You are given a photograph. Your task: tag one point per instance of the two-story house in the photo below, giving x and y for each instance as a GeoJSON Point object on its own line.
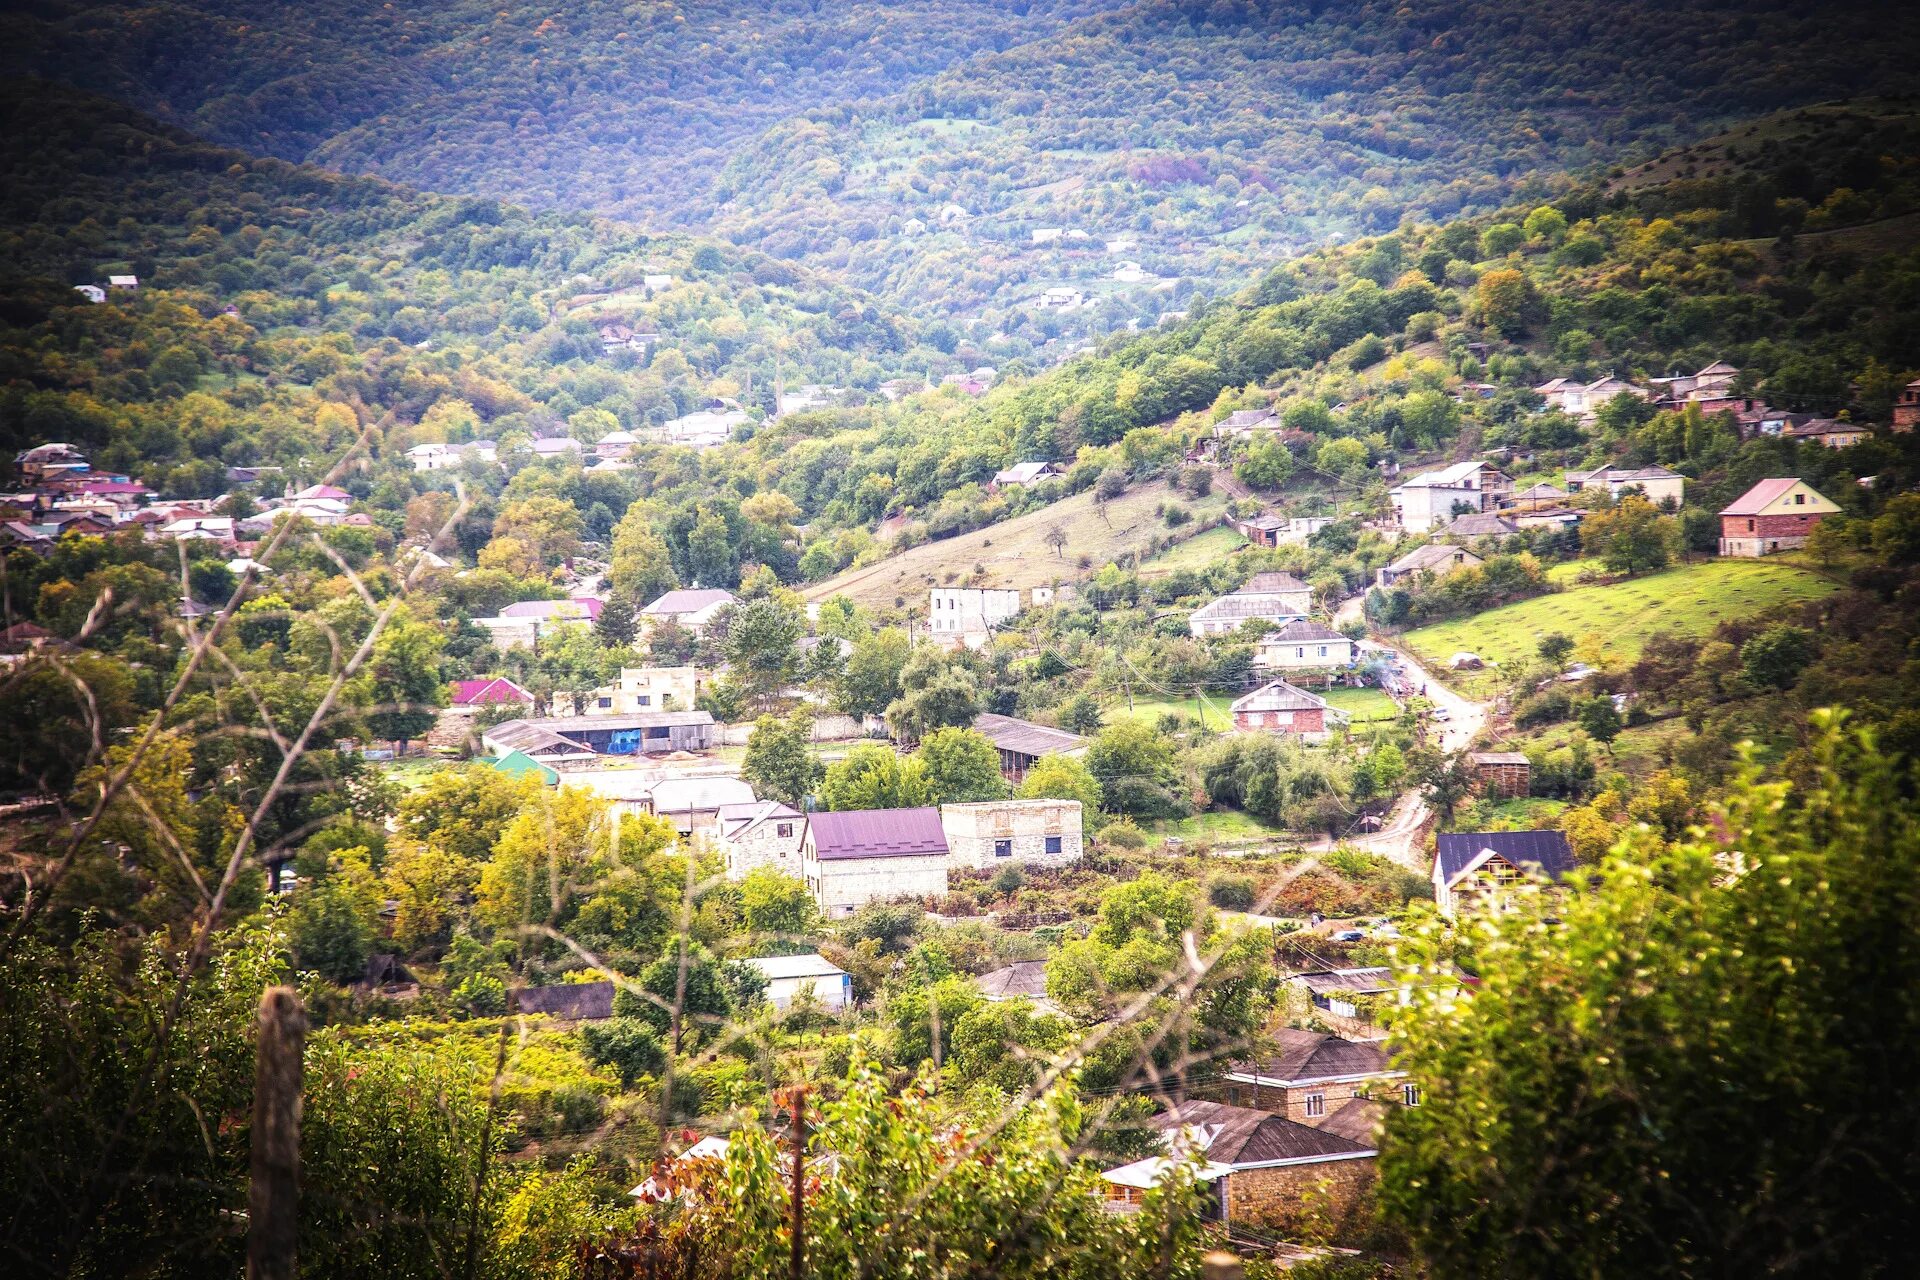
{"type": "Point", "coordinates": [765, 833]}
{"type": "Point", "coordinates": [1311, 1076]}
{"type": "Point", "coordinates": [871, 855]}
{"type": "Point", "coordinates": [1434, 498]}
{"type": "Point", "coordinates": [1774, 515]}
{"type": "Point", "coordinates": [998, 833]}
{"type": "Point", "coordinates": [1470, 864]}
{"type": "Point", "coordinates": [642, 689]}
{"type": "Point", "coordinates": [1303, 646]}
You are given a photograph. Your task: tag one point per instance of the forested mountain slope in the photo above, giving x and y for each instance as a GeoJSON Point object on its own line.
{"type": "Point", "coordinates": [1211, 136]}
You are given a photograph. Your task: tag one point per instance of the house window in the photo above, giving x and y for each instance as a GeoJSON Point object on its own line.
{"type": "Point", "coordinates": [1053, 844]}
{"type": "Point", "coordinates": [1799, 499]}
{"type": "Point", "coordinates": [1323, 651]}
{"type": "Point", "coordinates": [1749, 526]}
{"type": "Point", "coordinates": [1003, 848]}
{"type": "Point", "coordinates": [1300, 653]}
{"type": "Point", "coordinates": [1410, 1094]}
{"type": "Point", "coordinates": [643, 700]}
{"type": "Point", "coordinates": [605, 703]}
{"type": "Point", "coordinates": [784, 830]}
{"type": "Point", "coordinates": [1316, 1104]}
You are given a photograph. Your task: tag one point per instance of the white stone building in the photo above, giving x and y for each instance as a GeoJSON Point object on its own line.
{"type": "Point", "coordinates": [1278, 598]}
{"type": "Point", "coordinates": [648, 689]}
{"type": "Point", "coordinates": [1302, 646]}
{"type": "Point", "coordinates": [1430, 500]}
{"type": "Point", "coordinates": [999, 833]}
{"type": "Point", "coordinates": [969, 614]}
{"type": "Point", "coordinates": [765, 833]}
{"type": "Point", "coordinates": [873, 855]}
{"type": "Point", "coordinates": [693, 608]}
{"type": "Point", "coordinates": [790, 976]}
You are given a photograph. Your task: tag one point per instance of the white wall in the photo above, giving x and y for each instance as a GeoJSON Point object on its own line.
{"type": "Point", "coordinates": [842, 885]}
{"type": "Point", "coordinates": [974, 832]}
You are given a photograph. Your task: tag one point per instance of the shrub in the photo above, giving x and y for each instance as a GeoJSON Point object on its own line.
{"type": "Point", "coordinates": [578, 1107]}
{"type": "Point", "coordinates": [1231, 892]}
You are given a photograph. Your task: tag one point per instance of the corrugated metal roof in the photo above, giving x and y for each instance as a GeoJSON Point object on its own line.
{"type": "Point", "coordinates": [1025, 737]}
{"type": "Point", "coordinates": [1546, 850]}
{"type": "Point", "coordinates": [877, 833]}
{"type": "Point", "coordinates": [811, 965]}
{"type": "Point", "coordinates": [1755, 500]}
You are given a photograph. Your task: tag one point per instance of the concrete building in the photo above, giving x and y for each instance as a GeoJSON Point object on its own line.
{"type": "Point", "coordinates": [872, 855]}
{"type": "Point", "coordinates": [1656, 484]}
{"type": "Point", "coordinates": [522, 624]}
{"type": "Point", "coordinates": [1436, 497]}
{"type": "Point", "coordinates": [969, 614]}
{"type": "Point", "coordinates": [1278, 707]}
{"type": "Point", "coordinates": [1583, 399]}
{"type": "Point", "coordinates": [1303, 646]}
{"type": "Point", "coordinates": [1277, 598]}
{"type": "Point", "coordinates": [999, 833]}
{"type": "Point", "coordinates": [644, 689]}
{"type": "Point", "coordinates": [1774, 515]}
{"type": "Point", "coordinates": [765, 833]}
{"type": "Point", "coordinates": [791, 977]}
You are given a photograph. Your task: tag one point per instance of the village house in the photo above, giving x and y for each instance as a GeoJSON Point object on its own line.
{"type": "Point", "coordinates": [1313, 1075]}
{"type": "Point", "coordinates": [1536, 496]}
{"type": "Point", "coordinates": [1022, 743]}
{"type": "Point", "coordinates": [1347, 999]}
{"type": "Point", "coordinates": [1302, 646]}
{"type": "Point", "coordinates": [1906, 407]}
{"type": "Point", "coordinates": [1468, 865]}
{"type": "Point", "coordinates": [765, 833]}
{"type": "Point", "coordinates": [869, 855]}
{"type": "Point", "coordinates": [1243, 422]}
{"type": "Point", "coordinates": [1276, 598]}
{"type": "Point", "coordinates": [91, 292]}
{"type": "Point", "coordinates": [809, 976]}
{"type": "Point", "coordinates": [1485, 524]}
{"type": "Point", "coordinates": [1711, 388]}
{"type": "Point", "coordinates": [693, 804]}
{"type": "Point", "coordinates": [433, 457]}
{"type": "Point", "coordinates": [641, 689]}
{"type": "Point", "coordinates": [1278, 707]}
{"type": "Point", "coordinates": [692, 609]}
{"type": "Point", "coordinates": [1829, 433]}
{"type": "Point", "coordinates": [581, 739]}
{"type": "Point", "coordinates": [1774, 515]}
{"type": "Point", "coordinates": [470, 696]}
{"type": "Point", "coordinates": [51, 459]}
{"type": "Point", "coordinates": [1502, 775]}
{"type": "Point", "coordinates": [1656, 484]}
{"type": "Point", "coordinates": [1277, 531]}
{"type": "Point", "coordinates": [1436, 497]}
{"type": "Point", "coordinates": [1022, 474]}
{"type": "Point", "coordinates": [1582, 400]}
{"type": "Point", "coordinates": [1261, 1169]}
{"type": "Point", "coordinates": [998, 833]}
{"type": "Point", "coordinates": [1437, 559]}
{"type": "Point", "coordinates": [521, 624]}
{"type": "Point", "coordinates": [1021, 980]}
{"type": "Point", "coordinates": [968, 615]}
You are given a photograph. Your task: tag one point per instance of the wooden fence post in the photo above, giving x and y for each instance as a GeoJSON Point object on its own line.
{"type": "Point", "coordinates": [273, 1192]}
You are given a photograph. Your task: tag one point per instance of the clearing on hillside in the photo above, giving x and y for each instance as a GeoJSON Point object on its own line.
{"type": "Point", "coordinates": [1014, 553]}
{"type": "Point", "coordinates": [1691, 600]}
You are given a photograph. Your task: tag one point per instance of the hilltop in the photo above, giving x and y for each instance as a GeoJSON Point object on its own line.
{"type": "Point", "coordinates": [917, 147]}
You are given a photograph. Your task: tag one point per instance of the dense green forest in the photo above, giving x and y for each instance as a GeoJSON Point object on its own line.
{"type": "Point", "coordinates": [1209, 136]}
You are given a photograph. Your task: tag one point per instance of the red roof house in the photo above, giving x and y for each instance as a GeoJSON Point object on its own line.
{"type": "Point", "coordinates": [1774, 515]}
{"type": "Point", "coordinates": [496, 692]}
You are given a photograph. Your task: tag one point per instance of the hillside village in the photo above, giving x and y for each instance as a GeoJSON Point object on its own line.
{"type": "Point", "coordinates": [660, 746]}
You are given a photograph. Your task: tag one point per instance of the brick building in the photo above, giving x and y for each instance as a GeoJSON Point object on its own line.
{"type": "Point", "coordinates": [1502, 774]}
{"type": "Point", "coordinates": [1312, 1076]}
{"type": "Point", "coordinates": [1774, 515]}
{"type": "Point", "coordinates": [1278, 707]}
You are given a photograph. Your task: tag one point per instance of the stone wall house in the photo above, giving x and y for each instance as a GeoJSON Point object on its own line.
{"type": "Point", "coordinates": [873, 855]}
{"type": "Point", "coordinates": [1312, 1076]}
{"type": "Point", "coordinates": [1435, 497]}
{"type": "Point", "coordinates": [765, 833]}
{"type": "Point", "coordinates": [1774, 515]}
{"type": "Point", "coordinates": [1265, 1170]}
{"type": "Point", "coordinates": [999, 833]}
{"type": "Point", "coordinates": [690, 608]}
{"type": "Point", "coordinates": [1436, 558]}
{"type": "Point", "coordinates": [1502, 774]}
{"type": "Point", "coordinates": [1656, 484]}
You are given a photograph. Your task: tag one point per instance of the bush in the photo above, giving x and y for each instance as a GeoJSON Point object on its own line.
{"type": "Point", "coordinates": [578, 1108]}
{"type": "Point", "coordinates": [1121, 833]}
{"type": "Point", "coordinates": [1009, 880]}
{"type": "Point", "coordinates": [1232, 892]}
{"type": "Point", "coordinates": [1177, 516]}
{"type": "Point", "coordinates": [628, 1045]}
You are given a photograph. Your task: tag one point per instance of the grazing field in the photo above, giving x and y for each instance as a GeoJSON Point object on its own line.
{"type": "Point", "coordinates": [1197, 552]}
{"type": "Point", "coordinates": [1210, 711]}
{"type": "Point", "coordinates": [1362, 705]}
{"type": "Point", "coordinates": [1014, 553]}
{"type": "Point", "coordinates": [1692, 601]}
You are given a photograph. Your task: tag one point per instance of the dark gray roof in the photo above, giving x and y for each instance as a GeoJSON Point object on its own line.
{"type": "Point", "coordinates": [1021, 979]}
{"type": "Point", "coordinates": [1303, 631]}
{"type": "Point", "coordinates": [1483, 524]}
{"type": "Point", "coordinates": [1546, 850]}
{"type": "Point", "coordinates": [1361, 981]}
{"type": "Point", "coordinates": [1271, 583]}
{"type": "Point", "coordinates": [1026, 737]}
{"type": "Point", "coordinates": [577, 1000]}
{"type": "Point", "coordinates": [1245, 1136]}
{"type": "Point", "coordinates": [1302, 1056]}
